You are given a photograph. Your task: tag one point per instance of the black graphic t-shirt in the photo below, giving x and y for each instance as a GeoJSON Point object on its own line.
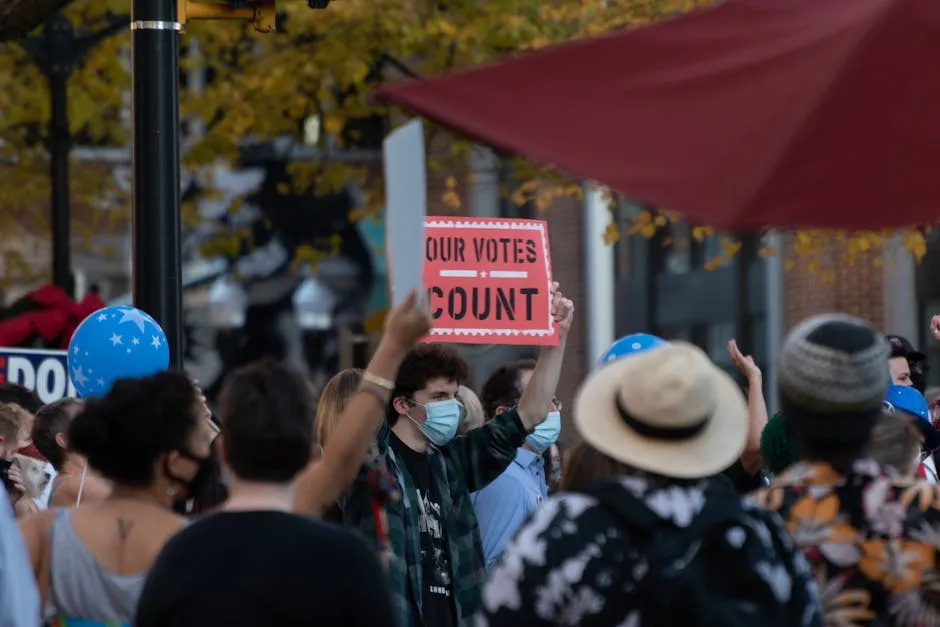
{"type": "Point", "coordinates": [438, 599]}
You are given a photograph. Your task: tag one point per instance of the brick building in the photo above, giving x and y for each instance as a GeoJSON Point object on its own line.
{"type": "Point", "coordinates": [665, 290]}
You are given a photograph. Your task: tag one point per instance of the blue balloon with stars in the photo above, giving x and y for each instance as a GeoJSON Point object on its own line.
{"type": "Point", "coordinates": [113, 343]}
{"type": "Point", "coordinates": [630, 345]}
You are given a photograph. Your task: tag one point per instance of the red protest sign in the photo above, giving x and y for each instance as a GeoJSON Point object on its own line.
{"type": "Point", "coordinates": [488, 281]}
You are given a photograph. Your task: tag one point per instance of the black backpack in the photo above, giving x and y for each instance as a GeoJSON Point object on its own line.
{"type": "Point", "coordinates": [694, 577]}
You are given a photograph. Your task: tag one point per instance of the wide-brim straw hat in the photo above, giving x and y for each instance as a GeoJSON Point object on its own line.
{"type": "Point", "coordinates": [668, 411]}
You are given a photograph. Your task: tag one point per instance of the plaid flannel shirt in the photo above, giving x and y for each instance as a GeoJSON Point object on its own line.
{"type": "Point", "coordinates": [465, 465]}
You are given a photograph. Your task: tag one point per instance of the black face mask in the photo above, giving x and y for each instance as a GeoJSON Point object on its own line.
{"type": "Point", "coordinates": [200, 479]}
{"type": "Point", "coordinates": [206, 490]}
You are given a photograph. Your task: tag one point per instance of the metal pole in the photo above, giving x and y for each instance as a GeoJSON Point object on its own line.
{"type": "Point", "coordinates": [600, 276]}
{"type": "Point", "coordinates": [56, 53]}
{"type": "Point", "coordinates": [59, 39]}
{"type": "Point", "coordinates": [155, 155]}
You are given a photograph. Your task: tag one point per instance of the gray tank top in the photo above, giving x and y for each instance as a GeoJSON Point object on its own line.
{"type": "Point", "coordinates": [83, 589]}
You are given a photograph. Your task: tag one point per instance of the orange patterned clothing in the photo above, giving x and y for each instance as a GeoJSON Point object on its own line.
{"type": "Point", "coordinates": [872, 539]}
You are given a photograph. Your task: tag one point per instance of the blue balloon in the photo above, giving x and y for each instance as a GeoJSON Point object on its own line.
{"type": "Point", "coordinates": [630, 345]}
{"type": "Point", "coordinates": [910, 401]}
{"type": "Point", "coordinates": [113, 343]}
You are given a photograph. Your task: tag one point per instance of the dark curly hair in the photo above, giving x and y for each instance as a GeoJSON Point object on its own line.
{"type": "Point", "coordinates": [424, 363]}
{"type": "Point", "coordinates": [123, 434]}
{"type": "Point", "coordinates": [51, 420]}
{"type": "Point", "coordinates": [20, 395]}
{"type": "Point", "coordinates": [503, 387]}
{"type": "Point", "coordinates": [267, 411]}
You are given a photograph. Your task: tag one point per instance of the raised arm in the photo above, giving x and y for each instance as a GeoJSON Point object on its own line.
{"type": "Point", "coordinates": [324, 481]}
{"type": "Point", "coordinates": [484, 453]}
{"type": "Point", "coordinates": [539, 393]}
{"type": "Point", "coordinates": [756, 406]}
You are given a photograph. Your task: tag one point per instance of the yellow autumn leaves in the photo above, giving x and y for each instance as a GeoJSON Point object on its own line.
{"type": "Point", "coordinates": [820, 251]}
{"type": "Point", "coordinates": [319, 65]}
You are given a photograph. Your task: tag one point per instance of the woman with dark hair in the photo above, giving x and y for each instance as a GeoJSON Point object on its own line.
{"type": "Point", "coordinates": [212, 490]}
{"type": "Point", "coordinates": [73, 482]}
{"type": "Point", "coordinates": [150, 439]}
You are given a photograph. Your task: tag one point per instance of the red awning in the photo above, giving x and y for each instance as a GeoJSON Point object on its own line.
{"type": "Point", "coordinates": [753, 114]}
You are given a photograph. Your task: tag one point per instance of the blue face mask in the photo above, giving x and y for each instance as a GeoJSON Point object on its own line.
{"type": "Point", "coordinates": [545, 434]}
{"type": "Point", "coordinates": [441, 422]}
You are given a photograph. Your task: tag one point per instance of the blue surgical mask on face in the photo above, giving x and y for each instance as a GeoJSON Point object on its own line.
{"type": "Point", "coordinates": [441, 421]}
{"type": "Point", "coordinates": [545, 434]}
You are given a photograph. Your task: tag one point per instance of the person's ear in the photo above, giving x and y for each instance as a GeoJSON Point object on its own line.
{"type": "Point", "coordinates": [61, 441]}
{"type": "Point", "coordinates": [500, 409]}
{"type": "Point", "coordinates": [177, 465]}
{"type": "Point", "coordinates": [401, 405]}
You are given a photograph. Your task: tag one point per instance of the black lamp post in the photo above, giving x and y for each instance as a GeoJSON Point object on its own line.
{"type": "Point", "coordinates": [155, 154]}
{"type": "Point", "coordinates": [57, 51]}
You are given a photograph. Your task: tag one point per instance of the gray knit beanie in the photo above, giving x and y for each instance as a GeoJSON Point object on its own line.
{"type": "Point", "coordinates": [833, 376]}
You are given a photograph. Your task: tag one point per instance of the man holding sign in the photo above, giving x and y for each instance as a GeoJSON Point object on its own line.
{"type": "Point", "coordinates": [437, 571]}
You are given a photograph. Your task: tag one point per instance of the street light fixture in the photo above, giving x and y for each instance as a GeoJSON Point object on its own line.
{"type": "Point", "coordinates": [313, 305]}
{"type": "Point", "coordinates": [226, 304]}
{"type": "Point", "coordinates": [57, 52]}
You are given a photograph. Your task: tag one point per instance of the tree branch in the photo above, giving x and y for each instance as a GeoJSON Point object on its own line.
{"type": "Point", "coordinates": [19, 17]}
{"type": "Point", "coordinates": [386, 58]}
{"type": "Point", "coordinates": [115, 24]}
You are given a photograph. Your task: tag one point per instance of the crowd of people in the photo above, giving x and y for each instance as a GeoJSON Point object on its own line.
{"type": "Point", "coordinates": [400, 497]}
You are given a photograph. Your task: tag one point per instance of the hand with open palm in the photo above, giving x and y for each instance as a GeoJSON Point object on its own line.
{"type": "Point", "coordinates": [744, 364]}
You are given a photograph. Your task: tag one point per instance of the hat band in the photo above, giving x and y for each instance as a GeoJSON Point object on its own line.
{"type": "Point", "coordinates": [661, 433]}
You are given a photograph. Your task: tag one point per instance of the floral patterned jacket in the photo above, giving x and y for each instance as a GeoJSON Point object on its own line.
{"type": "Point", "coordinates": [872, 539]}
{"type": "Point", "coordinates": [574, 563]}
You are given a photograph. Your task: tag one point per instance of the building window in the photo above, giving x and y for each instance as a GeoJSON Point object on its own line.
{"type": "Point", "coordinates": [716, 343]}
{"type": "Point", "coordinates": [508, 208]}
{"type": "Point", "coordinates": [673, 334]}
{"type": "Point", "coordinates": [710, 249]}
{"type": "Point", "coordinates": [676, 239]}
{"type": "Point", "coordinates": [629, 251]}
